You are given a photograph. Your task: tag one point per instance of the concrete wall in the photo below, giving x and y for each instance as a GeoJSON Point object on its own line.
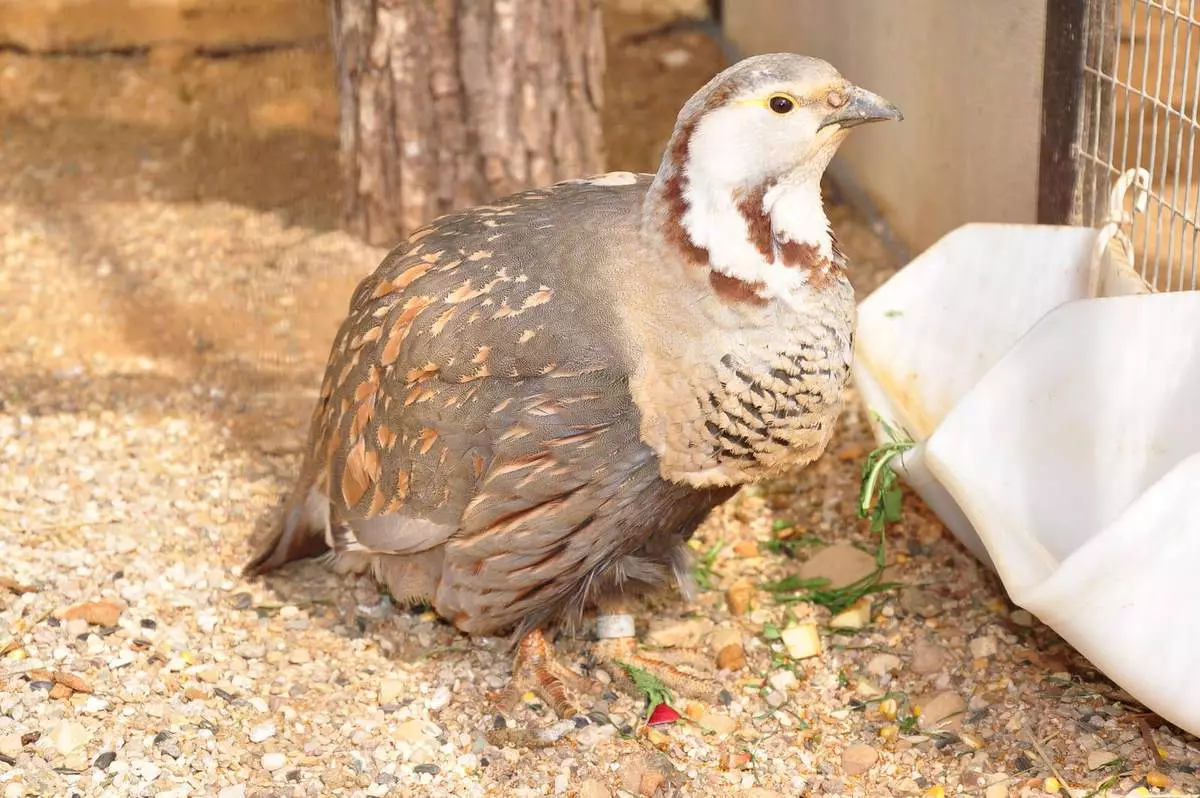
{"type": "Point", "coordinates": [966, 73]}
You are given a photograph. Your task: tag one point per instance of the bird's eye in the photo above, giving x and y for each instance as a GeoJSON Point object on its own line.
{"type": "Point", "coordinates": [835, 99]}
{"type": "Point", "coordinates": [781, 103]}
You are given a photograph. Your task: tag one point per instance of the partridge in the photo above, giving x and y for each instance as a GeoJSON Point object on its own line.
{"type": "Point", "coordinates": [532, 404]}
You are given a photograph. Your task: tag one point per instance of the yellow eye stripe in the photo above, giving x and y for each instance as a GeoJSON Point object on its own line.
{"type": "Point", "coordinates": [764, 101]}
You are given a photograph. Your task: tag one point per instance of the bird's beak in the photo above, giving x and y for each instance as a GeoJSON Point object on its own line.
{"type": "Point", "coordinates": [861, 107]}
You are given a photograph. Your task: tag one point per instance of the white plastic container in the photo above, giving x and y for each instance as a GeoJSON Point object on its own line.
{"type": "Point", "coordinates": [1055, 402]}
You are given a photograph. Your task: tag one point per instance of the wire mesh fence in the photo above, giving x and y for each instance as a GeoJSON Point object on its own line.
{"type": "Point", "coordinates": [1140, 96]}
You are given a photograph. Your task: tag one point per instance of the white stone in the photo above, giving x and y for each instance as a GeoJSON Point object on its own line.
{"type": "Point", "coordinates": [68, 735]}
{"type": "Point", "coordinates": [261, 732]}
{"type": "Point", "coordinates": [233, 791]}
{"type": "Point", "coordinates": [10, 744]}
{"type": "Point", "coordinates": [391, 691]}
{"type": "Point", "coordinates": [782, 680]}
{"type": "Point", "coordinates": [440, 699]}
{"type": "Point", "coordinates": [273, 761]}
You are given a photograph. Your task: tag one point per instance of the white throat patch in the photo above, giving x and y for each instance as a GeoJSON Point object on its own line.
{"type": "Point", "coordinates": [714, 222]}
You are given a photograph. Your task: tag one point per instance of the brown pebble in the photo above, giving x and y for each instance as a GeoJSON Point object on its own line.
{"type": "Point", "coordinates": [920, 602]}
{"type": "Point", "coordinates": [746, 548]}
{"type": "Point", "coordinates": [39, 675]}
{"type": "Point", "coordinates": [97, 613]}
{"type": "Point", "coordinates": [76, 683]}
{"type": "Point", "coordinates": [738, 597]}
{"type": "Point", "coordinates": [14, 586]}
{"type": "Point", "coordinates": [652, 780]}
{"type": "Point", "coordinates": [928, 658]}
{"type": "Point", "coordinates": [842, 564]}
{"type": "Point", "coordinates": [61, 692]}
{"type": "Point", "coordinates": [734, 760]}
{"type": "Point", "coordinates": [854, 451]}
{"type": "Point", "coordinates": [195, 694]}
{"type": "Point", "coordinates": [858, 759]}
{"type": "Point", "coordinates": [943, 711]}
{"type": "Point", "coordinates": [731, 658]}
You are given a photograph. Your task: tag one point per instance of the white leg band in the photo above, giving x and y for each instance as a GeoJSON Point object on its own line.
{"type": "Point", "coordinates": [610, 626]}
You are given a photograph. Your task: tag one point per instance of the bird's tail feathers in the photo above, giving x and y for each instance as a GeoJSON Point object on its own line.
{"type": "Point", "coordinates": [301, 532]}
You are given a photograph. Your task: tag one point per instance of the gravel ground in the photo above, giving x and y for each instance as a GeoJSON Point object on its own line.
{"type": "Point", "coordinates": [171, 277]}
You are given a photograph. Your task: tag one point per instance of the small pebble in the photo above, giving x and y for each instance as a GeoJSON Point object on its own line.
{"type": "Point", "coordinates": [684, 634]}
{"type": "Point", "coordinates": [593, 788]}
{"type": "Point", "coordinates": [842, 564]}
{"type": "Point", "coordinates": [429, 768]}
{"type": "Point", "coordinates": [263, 731]}
{"type": "Point", "coordinates": [731, 658]}
{"type": "Point", "coordinates": [717, 722]}
{"type": "Point", "coordinates": [391, 691]}
{"type": "Point", "coordinates": [103, 761]}
{"type": "Point", "coordinates": [882, 664]}
{"type": "Point", "coordinates": [273, 761]}
{"type": "Point", "coordinates": [96, 613]}
{"type": "Point", "coordinates": [75, 683]}
{"type": "Point", "coordinates": [67, 735]}
{"type": "Point", "coordinates": [782, 680]}
{"type": "Point", "coordinates": [10, 744]}
{"type": "Point", "coordinates": [440, 699]}
{"type": "Point", "coordinates": [1021, 617]}
{"type": "Point", "coordinates": [983, 647]}
{"type": "Point", "coordinates": [928, 658]}
{"type": "Point", "coordinates": [943, 711]}
{"type": "Point", "coordinates": [746, 548]}
{"type": "Point", "coordinates": [858, 759]}
{"type": "Point", "coordinates": [738, 598]}
{"type": "Point", "coordinates": [920, 602]}
{"type": "Point", "coordinates": [1098, 759]}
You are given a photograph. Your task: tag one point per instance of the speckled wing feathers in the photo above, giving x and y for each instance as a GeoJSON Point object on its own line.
{"type": "Point", "coordinates": [475, 446]}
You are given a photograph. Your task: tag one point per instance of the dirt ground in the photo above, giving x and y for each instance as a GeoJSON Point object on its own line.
{"type": "Point", "coordinates": [171, 275]}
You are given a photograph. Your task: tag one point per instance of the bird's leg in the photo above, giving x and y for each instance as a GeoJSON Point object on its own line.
{"type": "Point", "coordinates": [618, 652]}
{"type": "Point", "coordinates": [536, 669]}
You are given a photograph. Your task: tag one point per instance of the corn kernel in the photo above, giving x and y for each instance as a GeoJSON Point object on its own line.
{"type": "Point", "coordinates": [658, 739]}
{"type": "Point", "coordinates": [1156, 779]}
{"type": "Point", "coordinates": [1051, 785]}
{"type": "Point", "coordinates": [936, 791]}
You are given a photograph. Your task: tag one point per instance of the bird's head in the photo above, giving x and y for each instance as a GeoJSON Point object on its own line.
{"type": "Point", "coordinates": [740, 180]}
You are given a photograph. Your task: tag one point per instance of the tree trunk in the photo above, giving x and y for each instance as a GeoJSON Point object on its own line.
{"type": "Point", "coordinates": [450, 103]}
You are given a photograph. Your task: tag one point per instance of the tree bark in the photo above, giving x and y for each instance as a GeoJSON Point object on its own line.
{"type": "Point", "coordinates": [451, 103]}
